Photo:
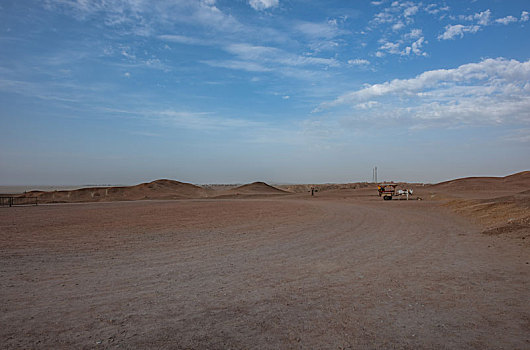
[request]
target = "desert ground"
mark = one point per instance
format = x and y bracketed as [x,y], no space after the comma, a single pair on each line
[255,266]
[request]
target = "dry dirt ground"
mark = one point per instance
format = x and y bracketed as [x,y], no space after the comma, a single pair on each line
[331,272]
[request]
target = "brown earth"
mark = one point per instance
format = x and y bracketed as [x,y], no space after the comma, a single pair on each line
[500,205]
[485,187]
[253,190]
[343,269]
[159,189]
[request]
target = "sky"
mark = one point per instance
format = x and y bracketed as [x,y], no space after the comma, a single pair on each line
[283,91]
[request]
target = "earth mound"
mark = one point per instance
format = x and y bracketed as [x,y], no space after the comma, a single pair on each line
[513,183]
[258,188]
[499,204]
[252,190]
[158,189]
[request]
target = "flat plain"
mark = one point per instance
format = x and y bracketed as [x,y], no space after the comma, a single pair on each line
[343,269]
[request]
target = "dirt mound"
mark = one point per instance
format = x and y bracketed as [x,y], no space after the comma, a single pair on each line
[507,215]
[501,205]
[171,187]
[522,178]
[516,182]
[257,188]
[158,189]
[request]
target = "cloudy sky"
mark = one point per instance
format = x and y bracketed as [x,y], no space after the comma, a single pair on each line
[218,91]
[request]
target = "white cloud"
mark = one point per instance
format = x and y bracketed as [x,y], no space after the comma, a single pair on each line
[323,45]
[506,20]
[457,30]
[253,58]
[416,47]
[182,39]
[327,30]
[397,26]
[414,34]
[483,18]
[141,17]
[434,9]
[390,47]
[492,91]
[525,16]
[238,65]
[384,17]
[263,4]
[410,11]
[125,52]
[398,16]
[274,56]
[367,105]
[358,62]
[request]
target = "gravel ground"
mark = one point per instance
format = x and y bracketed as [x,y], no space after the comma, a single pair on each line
[328,272]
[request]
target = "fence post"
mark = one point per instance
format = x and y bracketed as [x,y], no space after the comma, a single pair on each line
[10,201]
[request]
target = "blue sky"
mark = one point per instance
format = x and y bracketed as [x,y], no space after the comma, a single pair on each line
[218,91]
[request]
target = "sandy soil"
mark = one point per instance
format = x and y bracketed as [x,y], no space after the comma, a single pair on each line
[334,271]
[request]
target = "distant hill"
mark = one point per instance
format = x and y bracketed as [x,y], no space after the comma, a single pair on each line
[499,204]
[257,187]
[517,182]
[159,189]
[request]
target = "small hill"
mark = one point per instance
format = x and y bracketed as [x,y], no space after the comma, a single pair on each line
[255,189]
[485,183]
[522,179]
[158,189]
[258,187]
[500,204]
[484,187]
[171,187]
